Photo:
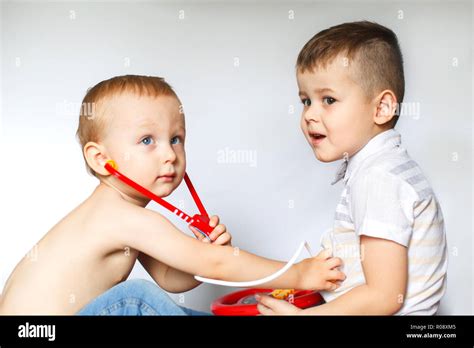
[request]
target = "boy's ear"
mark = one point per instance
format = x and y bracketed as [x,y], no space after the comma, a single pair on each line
[96,157]
[386,107]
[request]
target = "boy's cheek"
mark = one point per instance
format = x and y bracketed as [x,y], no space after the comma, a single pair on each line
[180,164]
[304,130]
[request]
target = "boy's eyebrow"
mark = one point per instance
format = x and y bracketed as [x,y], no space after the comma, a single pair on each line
[322,90]
[182,128]
[318,91]
[148,124]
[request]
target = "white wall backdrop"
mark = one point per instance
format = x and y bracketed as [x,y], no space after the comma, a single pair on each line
[232,64]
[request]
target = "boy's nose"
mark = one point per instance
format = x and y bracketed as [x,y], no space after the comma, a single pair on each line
[312,115]
[168,154]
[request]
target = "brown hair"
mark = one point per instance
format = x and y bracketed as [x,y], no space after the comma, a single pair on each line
[373,47]
[91,119]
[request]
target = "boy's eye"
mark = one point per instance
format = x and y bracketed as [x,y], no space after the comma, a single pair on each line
[329,100]
[176,140]
[147,141]
[306,102]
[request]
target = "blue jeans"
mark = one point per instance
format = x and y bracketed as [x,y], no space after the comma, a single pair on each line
[135,297]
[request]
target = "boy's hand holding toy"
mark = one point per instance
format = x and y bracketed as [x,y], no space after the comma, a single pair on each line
[321,267]
[219,234]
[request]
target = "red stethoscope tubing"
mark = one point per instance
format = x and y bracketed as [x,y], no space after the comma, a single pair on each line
[198,202]
[204,216]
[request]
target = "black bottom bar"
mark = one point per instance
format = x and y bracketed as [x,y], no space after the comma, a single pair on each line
[55,330]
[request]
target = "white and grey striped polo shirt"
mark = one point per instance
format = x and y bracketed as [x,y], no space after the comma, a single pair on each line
[387,196]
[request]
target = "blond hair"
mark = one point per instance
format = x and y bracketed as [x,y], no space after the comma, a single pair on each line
[91,119]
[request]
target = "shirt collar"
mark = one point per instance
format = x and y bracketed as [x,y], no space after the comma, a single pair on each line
[385,140]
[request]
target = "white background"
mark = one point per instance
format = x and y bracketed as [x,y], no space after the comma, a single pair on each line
[51,52]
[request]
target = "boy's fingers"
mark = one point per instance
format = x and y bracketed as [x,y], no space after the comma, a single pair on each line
[223,239]
[334,262]
[264,310]
[336,275]
[325,254]
[215,232]
[197,234]
[274,306]
[331,286]
[214,221]
[266,304]
[220,229]
[266,300]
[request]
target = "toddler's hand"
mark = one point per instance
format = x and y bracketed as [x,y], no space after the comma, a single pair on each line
[320,272]
[219,234]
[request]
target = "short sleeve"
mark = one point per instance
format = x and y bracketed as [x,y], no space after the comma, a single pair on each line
[381,206]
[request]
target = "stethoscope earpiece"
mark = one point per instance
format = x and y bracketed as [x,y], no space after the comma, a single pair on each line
[112,164]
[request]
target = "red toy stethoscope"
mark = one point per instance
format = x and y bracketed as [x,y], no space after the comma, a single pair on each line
[199,221]
[237,303]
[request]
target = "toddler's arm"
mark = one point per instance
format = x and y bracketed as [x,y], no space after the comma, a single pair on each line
[172,279]
[153,235]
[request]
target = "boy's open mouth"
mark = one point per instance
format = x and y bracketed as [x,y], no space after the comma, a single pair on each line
[316,138]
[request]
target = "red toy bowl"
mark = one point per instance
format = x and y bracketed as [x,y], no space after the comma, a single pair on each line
[243,303]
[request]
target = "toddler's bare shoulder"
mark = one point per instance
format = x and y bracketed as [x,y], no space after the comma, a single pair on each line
[128,219]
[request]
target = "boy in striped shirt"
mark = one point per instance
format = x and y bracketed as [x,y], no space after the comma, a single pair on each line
[388,228]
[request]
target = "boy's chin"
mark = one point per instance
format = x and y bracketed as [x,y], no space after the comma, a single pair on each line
[322,157]
[164,190]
